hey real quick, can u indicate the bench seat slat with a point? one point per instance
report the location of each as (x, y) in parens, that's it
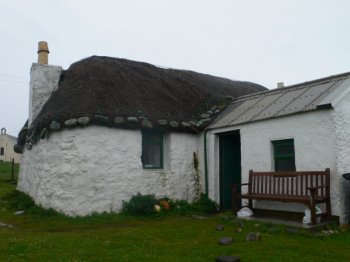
(282, 198)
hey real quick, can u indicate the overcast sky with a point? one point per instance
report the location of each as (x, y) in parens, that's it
(252, 40)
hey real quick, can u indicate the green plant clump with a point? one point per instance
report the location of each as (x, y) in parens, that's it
(18, 201)
(140, 205)
(206, 205)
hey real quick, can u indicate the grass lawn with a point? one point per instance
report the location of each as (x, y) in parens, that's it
(5, 171)
(46, 236)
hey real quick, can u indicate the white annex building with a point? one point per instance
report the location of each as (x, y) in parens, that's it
(108, 128)
(303, 127)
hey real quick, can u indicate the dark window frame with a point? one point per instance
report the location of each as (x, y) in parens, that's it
(148, 139)
(283, 156)
(2, 151)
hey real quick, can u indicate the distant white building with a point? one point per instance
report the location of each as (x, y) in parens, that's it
(7, 143)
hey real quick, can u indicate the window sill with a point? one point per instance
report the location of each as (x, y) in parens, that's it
(158, 170)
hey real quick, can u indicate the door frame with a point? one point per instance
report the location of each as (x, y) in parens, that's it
(221, 163)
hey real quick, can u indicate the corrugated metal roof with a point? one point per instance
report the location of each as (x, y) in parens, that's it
(284, 101)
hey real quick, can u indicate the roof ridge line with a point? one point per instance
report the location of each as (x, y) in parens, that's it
(323, 79)
(294, 86)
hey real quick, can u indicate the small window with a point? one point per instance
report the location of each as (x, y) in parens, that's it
(284, 156)
(152, 150)
(2, 151)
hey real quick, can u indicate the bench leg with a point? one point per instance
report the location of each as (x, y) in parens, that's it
(250, 204)
(312, 206)
(313, 214)
(328, 210)
(234, 203)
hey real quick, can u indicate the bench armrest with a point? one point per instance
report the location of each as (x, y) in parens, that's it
(234, 186)
(316, 187)
(313, 191)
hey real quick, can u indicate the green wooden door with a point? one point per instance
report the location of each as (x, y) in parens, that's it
(230, 167)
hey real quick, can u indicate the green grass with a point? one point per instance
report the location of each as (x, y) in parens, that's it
(40, 235)
(5, 171)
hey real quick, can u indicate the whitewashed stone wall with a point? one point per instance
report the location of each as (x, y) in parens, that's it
(93, 169)
(315, 149)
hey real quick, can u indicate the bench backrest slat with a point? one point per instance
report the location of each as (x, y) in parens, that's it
(289, 183)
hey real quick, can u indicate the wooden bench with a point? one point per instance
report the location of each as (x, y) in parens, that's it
(306, 187)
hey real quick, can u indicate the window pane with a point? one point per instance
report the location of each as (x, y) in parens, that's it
(284, 149)
(151, 156)
(152, 150)
(152, 138)
(284, 155)
(287, 164)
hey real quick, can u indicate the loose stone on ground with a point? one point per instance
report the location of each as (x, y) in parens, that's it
(238, 230)
(225, 241)
(253, 236)
(228, 259)
(219, 227)
(6, 225)
(330, 232)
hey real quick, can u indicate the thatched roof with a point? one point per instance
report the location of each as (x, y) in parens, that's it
(116, 87)
(129, 94)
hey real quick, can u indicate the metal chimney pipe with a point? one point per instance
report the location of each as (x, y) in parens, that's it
(43, 53)
(280, 85)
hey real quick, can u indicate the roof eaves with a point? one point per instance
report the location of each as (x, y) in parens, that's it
(318, 108)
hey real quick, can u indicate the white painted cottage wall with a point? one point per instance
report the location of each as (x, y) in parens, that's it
(315, 149)
(92, 169)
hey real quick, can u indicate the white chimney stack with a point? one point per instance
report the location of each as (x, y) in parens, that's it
(44, 80)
